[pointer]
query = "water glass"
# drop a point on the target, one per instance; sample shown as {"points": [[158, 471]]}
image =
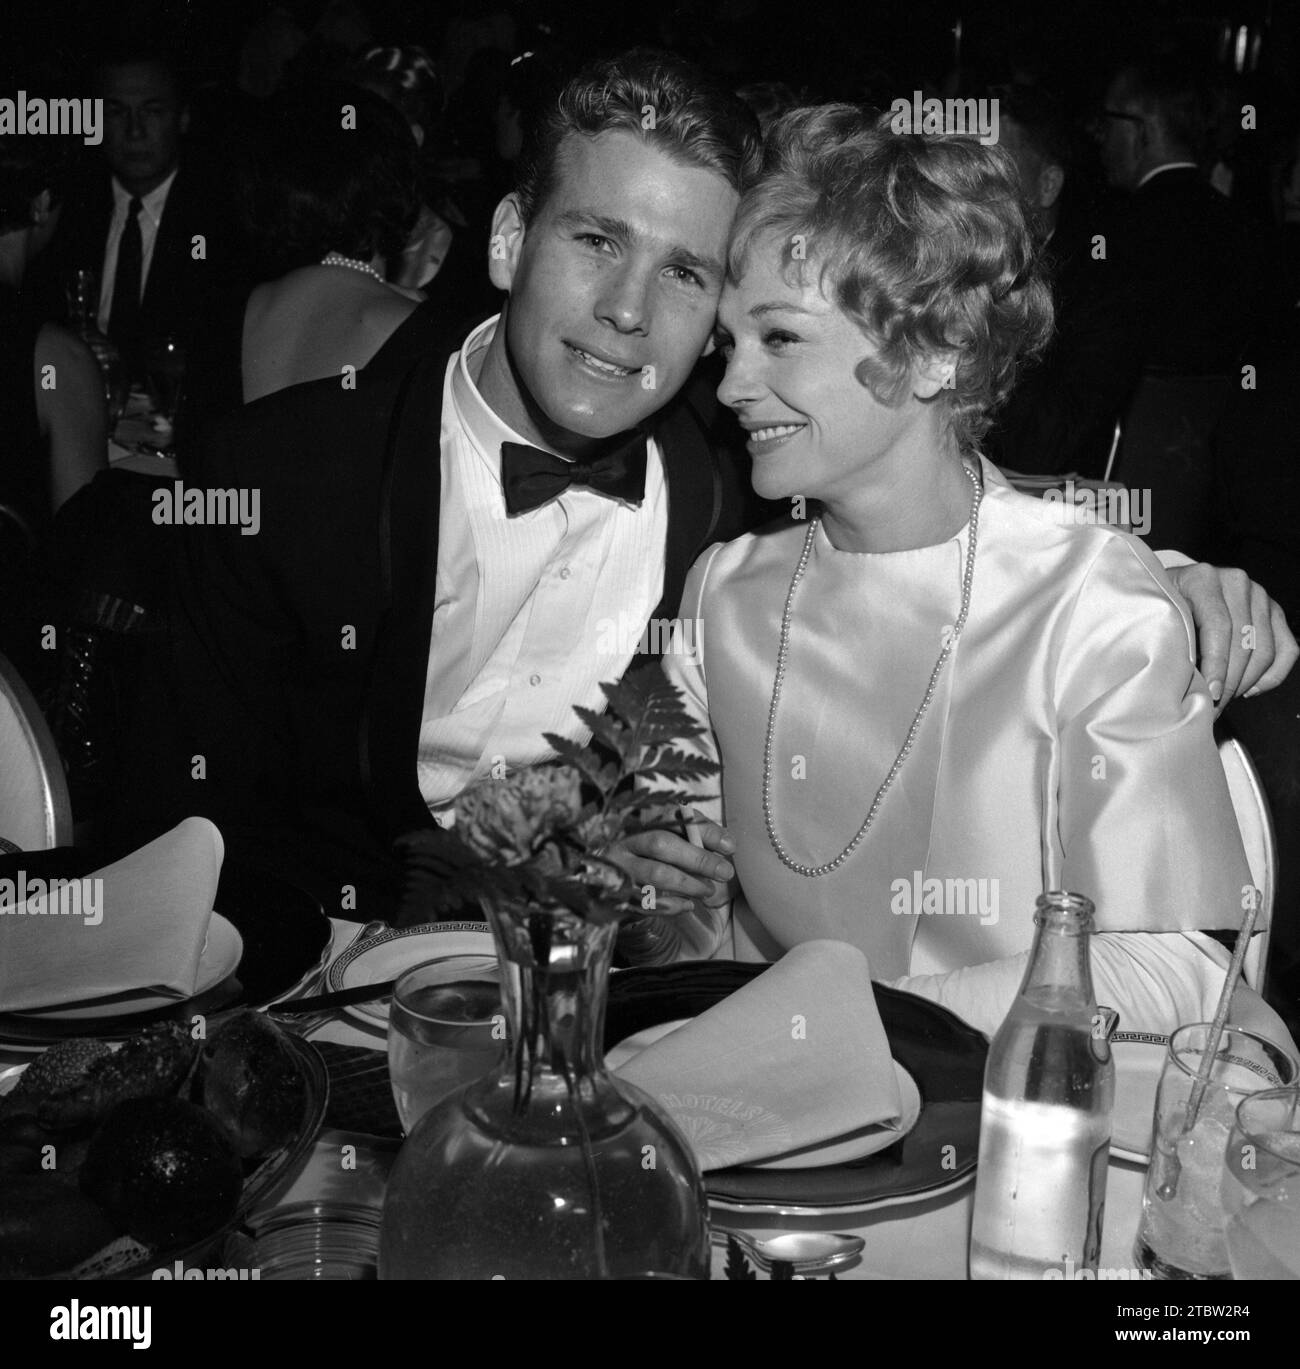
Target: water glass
{"points": [[1182, 1232], [165, 367], [446, 1028], [1261, 1186]]}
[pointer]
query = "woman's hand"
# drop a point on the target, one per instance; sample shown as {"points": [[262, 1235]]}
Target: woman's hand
{"points": [[680, 873], [1245, 644]]}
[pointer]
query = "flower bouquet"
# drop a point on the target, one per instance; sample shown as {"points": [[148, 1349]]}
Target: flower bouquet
{"points": [[542, 835]]}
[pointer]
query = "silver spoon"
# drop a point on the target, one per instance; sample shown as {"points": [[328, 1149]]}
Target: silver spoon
{"points": [[804, 1251]]}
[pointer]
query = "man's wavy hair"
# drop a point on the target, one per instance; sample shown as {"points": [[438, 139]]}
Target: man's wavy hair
{"points": [[691, 119], [921, 239]]}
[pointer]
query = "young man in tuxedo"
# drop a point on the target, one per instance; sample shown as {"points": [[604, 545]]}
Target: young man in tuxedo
{"points": [[426, 594], [447, 560]]}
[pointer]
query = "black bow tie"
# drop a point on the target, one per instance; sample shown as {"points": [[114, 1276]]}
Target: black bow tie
{"points": [[531, 478]]}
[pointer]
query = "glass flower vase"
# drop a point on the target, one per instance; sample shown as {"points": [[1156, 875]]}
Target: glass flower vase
{"points": [[548, 1167]]}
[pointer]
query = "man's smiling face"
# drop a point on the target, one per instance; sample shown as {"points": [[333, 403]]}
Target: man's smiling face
{"points": [[619, 271]]}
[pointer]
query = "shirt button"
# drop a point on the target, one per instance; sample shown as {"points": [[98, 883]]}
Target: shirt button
{"points": [[565, 572], [534, 679]]}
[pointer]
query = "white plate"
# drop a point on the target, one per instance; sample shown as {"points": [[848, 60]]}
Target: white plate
{"points": [[853, 1147], [1139, 1058], [388, 955], [222, 952]]}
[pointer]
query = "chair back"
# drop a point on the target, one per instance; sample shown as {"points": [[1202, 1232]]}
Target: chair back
{"points": [[35, 810], [1256, 823]]}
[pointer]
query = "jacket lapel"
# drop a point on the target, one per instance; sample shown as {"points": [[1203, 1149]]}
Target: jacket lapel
{"points": [[169, 249], [408, 559], [694, 497]]}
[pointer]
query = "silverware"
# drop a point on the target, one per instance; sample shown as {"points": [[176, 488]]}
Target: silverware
{"points": [[304, 1015], [803, 1252], [340, 998]]}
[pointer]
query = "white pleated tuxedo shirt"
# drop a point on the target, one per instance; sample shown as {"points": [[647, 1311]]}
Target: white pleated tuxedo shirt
{"points": [[532, 612]]}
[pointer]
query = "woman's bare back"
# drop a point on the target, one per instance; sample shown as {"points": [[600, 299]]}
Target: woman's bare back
{"points": [[313, 322]]}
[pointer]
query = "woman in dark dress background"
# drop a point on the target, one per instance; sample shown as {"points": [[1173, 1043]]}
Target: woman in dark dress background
{"points": [[53, 426]]}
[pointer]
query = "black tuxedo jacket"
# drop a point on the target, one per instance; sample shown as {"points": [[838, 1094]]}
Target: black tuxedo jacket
{"points": [[180, 293], [290, 707]]}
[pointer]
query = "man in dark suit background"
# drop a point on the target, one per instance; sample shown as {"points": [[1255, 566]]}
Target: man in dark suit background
{"points": [[1061, 415], [152, 226], [1196, 264]]}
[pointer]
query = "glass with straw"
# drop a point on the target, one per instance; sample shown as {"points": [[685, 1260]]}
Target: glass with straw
{"points": [[1261, 1187], [1209, 1069]]}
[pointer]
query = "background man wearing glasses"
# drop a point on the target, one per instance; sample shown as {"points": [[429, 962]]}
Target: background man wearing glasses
{"points": [[1194, 261]]}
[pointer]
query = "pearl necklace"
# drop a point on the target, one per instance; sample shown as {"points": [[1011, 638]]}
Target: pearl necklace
{"points": [[812, 871], [338, 259]]}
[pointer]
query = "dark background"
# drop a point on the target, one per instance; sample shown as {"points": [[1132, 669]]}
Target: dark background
{"points": [[835, 47]]}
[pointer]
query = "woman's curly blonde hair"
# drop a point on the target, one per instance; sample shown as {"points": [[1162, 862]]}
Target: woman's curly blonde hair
{"points": [[922, 239]]}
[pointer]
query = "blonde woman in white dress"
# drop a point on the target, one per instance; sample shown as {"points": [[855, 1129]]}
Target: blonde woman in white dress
{"points": [[933, 698]]}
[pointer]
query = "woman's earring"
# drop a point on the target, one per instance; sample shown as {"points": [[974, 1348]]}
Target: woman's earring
{"points": [[950, 381]]}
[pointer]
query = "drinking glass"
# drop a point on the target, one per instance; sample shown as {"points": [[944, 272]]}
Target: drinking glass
{"points": [[445, 1028], [165, 368], [1261, 1186], [1182, 1231]]}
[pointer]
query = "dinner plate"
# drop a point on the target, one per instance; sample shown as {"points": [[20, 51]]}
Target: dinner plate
{"points": [[1139, 1058], [941, 1053], [286, 944], [126, 1258], [856, 1146], [390, 954], [222, 951]]}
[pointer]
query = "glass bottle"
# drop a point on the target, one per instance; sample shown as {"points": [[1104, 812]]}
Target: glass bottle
{"points": [[83, 308], [548, 1167], [1049, 1085]]}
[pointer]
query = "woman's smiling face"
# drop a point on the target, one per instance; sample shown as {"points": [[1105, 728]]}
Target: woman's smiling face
{"points": [[793, 380]]}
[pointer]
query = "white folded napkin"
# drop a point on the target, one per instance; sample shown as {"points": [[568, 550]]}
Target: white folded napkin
{"points": [[138, 924], [796, 1058]]}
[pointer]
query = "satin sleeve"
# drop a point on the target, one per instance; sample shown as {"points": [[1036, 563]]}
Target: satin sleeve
{"points": [[698, 934], [1145, 823]]}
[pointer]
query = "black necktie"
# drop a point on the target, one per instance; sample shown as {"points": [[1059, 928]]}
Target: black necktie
{"points": [[531, 478], [124, 314]]}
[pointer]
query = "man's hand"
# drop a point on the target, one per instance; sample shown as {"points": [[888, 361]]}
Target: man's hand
{"points": [[680, 874], [1244, 642]]}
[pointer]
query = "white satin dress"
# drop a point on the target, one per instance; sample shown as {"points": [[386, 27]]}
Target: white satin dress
{"points": [[1068, 745]]}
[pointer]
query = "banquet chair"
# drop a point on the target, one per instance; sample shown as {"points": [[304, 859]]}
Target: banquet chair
{"points": [[35, 811], [1256, 823]]}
